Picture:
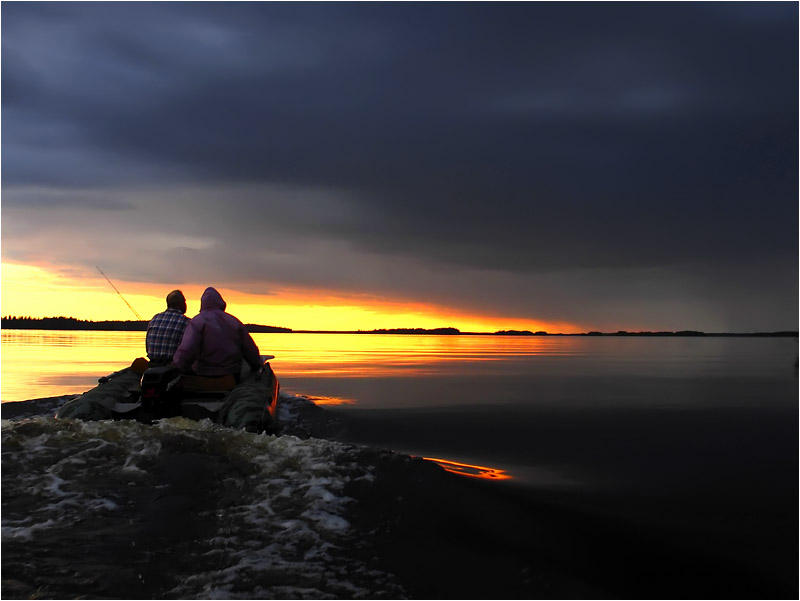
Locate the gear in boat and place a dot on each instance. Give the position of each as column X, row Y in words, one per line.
column 162, row 392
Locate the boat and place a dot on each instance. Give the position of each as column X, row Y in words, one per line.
column 147, row 394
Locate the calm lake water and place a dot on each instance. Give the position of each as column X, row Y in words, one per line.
column 38, row 364
column 470, row 398
column 692, row 440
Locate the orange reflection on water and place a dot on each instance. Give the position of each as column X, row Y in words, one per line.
column 473, row 471
column 331, row 400
column 37, row 363
column 369, row 355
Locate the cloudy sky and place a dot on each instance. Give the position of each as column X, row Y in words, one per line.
column 611, row 166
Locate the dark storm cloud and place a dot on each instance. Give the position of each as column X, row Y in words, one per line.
column 519, row 138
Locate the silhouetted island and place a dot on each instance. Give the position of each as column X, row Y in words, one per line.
column 519, row 333
column 438, row 331
column 71, row 323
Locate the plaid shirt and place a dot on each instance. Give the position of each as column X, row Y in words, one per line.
column 164, row 334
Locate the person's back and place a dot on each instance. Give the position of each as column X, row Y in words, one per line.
column 165, row 330
column 215, row 342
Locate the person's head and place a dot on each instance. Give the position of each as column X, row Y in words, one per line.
column 212, row 300
column 176, row 300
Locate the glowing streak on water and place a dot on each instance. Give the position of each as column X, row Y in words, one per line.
column 473, row 471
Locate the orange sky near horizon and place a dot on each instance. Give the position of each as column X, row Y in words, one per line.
column 35, row 291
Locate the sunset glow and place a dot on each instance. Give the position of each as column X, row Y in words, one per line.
column 38, row 291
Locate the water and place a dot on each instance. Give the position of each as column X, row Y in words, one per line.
column 675, row 457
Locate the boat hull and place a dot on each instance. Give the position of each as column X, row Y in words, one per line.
column 251, row 405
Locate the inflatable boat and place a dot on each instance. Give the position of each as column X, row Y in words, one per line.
column 146, row 394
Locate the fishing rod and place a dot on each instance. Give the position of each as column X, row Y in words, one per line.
column 139, row 317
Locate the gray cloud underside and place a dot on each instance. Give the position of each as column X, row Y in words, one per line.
column 562, row 161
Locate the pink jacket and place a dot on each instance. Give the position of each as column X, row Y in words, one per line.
column 215, row 342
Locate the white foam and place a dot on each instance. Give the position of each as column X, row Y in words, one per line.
column 282, row 536
column 25, row 532
column 289, row 406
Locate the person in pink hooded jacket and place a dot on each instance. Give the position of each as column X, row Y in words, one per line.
column 215, row 342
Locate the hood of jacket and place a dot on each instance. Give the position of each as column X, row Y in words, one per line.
column 212, row 300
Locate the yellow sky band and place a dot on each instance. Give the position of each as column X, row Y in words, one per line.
column 38, row 291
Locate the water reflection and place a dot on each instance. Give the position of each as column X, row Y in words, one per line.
column 39, row 363
column 331, row 400
column 369, row 356
column 473, row 471
column 418, row 369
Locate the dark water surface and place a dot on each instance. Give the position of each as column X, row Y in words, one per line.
column 616, row 468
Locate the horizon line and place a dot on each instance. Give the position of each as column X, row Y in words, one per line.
column 443, row 331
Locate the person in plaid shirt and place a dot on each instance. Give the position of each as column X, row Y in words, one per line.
column 165, row 330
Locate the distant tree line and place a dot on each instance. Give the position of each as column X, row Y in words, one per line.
column 520, row 333
column 691, row 333
column 12, row 322
column 257, row 329
column 70, row 323
column 439, row 331
column 625, row 333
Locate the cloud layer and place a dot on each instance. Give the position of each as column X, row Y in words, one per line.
column 606, row 164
